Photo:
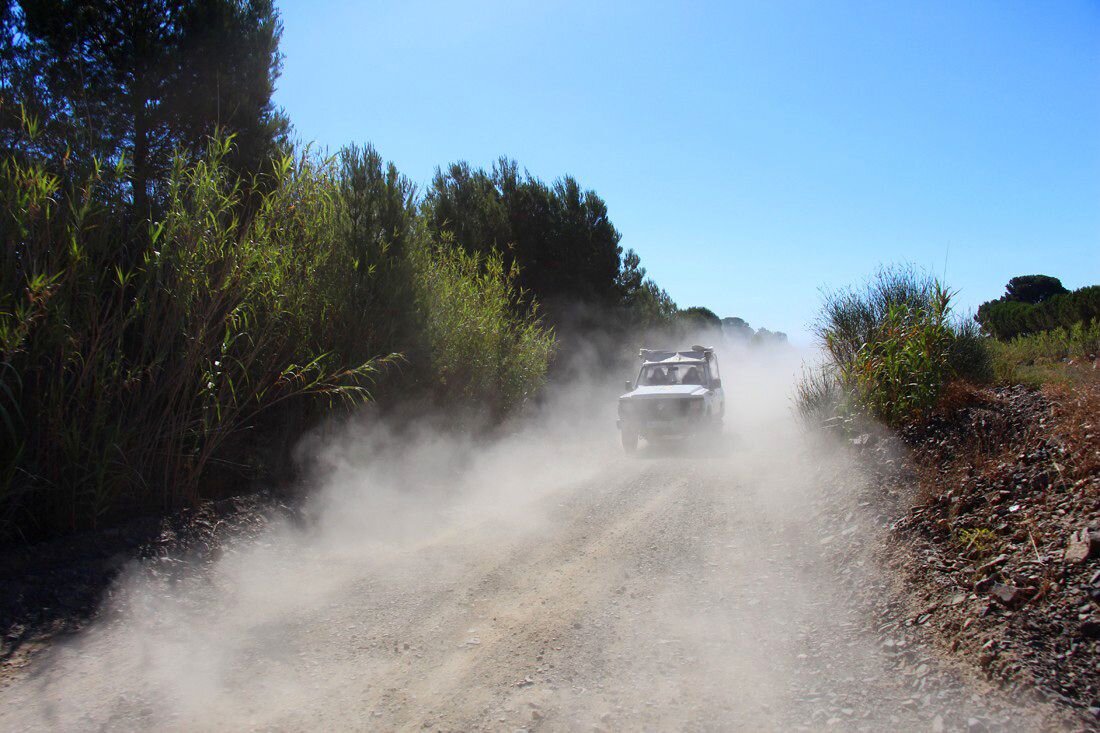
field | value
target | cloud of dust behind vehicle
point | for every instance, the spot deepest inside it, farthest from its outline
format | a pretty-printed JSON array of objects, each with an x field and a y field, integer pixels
[{"x": 228, "y": 645}]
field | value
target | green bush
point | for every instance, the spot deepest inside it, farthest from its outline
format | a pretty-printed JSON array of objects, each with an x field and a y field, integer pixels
[
  {"x": 819, "y": 395},
  {"x": 479, "y": 353},
  {"x": 890, "y": 348}
]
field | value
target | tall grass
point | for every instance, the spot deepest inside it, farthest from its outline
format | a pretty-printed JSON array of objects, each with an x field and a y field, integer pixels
[{"x": 890, "y": 346}]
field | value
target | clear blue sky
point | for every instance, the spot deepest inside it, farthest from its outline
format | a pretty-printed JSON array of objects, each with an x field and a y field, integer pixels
[{"x": 750, "y": 152}]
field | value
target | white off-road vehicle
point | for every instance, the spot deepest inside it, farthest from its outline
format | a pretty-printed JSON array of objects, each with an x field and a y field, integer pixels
[{"x": 676, "y": 394}]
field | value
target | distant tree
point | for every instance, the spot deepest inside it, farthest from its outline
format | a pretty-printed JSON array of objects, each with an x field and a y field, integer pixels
[
  {"x": 471, "y": 205},
  {"x": 1033, "y": 288},
  {"x": 140, "y": 79},
  {"x": 646, "y": 305},
  {"x": 1032, "y": 305},
  {"x": 698, "y": 317},
  {"x": 631, "y": 274},
  {"x": 737, "y": 328},
  {"x": 764, "y": 337}
]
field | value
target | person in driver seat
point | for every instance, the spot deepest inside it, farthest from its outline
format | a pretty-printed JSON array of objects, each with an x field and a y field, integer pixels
[{"x": 693, "y": 376}]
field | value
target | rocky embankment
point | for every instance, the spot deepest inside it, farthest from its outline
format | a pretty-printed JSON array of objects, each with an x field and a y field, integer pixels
[{"x": 997, "y": 558}]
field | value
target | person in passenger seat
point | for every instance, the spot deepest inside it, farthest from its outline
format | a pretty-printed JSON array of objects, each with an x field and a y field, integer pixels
[{"x": 693, "y": 376}]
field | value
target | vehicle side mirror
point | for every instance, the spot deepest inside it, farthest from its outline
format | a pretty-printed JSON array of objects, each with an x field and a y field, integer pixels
[
  {"x": 629, "y": 386},
  {"x": 716, "y": 384}
]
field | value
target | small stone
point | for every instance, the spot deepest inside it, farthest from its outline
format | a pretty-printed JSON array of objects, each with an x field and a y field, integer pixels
[
  {"x": 993, "y": 563},
  {"x": 1083, "y": 545},
  {"x": 1008, "y": 595}
]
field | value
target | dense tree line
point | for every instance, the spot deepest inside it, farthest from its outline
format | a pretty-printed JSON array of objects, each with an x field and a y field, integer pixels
[{"x": 1036, "y": 303}]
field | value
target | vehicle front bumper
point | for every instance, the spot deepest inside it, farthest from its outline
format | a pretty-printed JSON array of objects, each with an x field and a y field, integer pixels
[{"x": 669, "y": 426}]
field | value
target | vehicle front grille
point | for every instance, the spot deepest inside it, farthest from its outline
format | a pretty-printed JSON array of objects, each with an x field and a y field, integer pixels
[{"x": 663, "y": 409}]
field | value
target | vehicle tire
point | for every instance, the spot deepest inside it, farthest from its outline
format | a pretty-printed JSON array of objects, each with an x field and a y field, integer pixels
[{"x": 630, "y": 439}]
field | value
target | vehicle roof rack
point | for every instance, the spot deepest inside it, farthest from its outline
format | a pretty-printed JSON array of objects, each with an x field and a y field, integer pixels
[{"x": 694, "y": 353}]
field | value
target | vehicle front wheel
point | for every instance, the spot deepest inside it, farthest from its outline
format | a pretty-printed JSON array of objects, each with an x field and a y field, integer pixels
[{"x": 630, "y": 439}]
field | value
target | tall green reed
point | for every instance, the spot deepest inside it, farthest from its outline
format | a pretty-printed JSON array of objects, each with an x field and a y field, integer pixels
[{"x": 130, "y": 355}]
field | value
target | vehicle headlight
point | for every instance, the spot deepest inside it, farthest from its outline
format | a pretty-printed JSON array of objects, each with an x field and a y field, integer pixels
[
  {"x": 695, "y": 407},
  {"x": 624, "y": 408}
]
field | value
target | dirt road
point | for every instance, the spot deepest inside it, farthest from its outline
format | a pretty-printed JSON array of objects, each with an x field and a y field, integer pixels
[
  {"x": 542, "y": 581},
  {"x": 555, "y": 589}
]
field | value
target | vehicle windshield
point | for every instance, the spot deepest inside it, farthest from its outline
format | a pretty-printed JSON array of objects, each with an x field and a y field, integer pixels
[{"x": 656, "y": 374}]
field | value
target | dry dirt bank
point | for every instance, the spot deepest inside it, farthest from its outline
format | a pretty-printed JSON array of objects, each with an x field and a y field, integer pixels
[{"x": 998, "y": 561}]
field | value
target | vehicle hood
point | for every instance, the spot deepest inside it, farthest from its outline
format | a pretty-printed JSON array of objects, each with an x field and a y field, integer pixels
[{"x": 673, "y": 391}]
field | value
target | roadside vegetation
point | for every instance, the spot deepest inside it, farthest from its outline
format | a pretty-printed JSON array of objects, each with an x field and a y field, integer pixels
[
  {"x": 891, "y": 347},
  {"x": 136, "y": 364},
  {"x": 184, "y": 290},
  {"x": 1062, "y": 356},
  {"x": 1042, "y": 333}
]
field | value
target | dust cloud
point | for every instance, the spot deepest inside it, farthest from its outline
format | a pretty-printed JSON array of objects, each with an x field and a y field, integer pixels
[{"x": 540, "y": 579}]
